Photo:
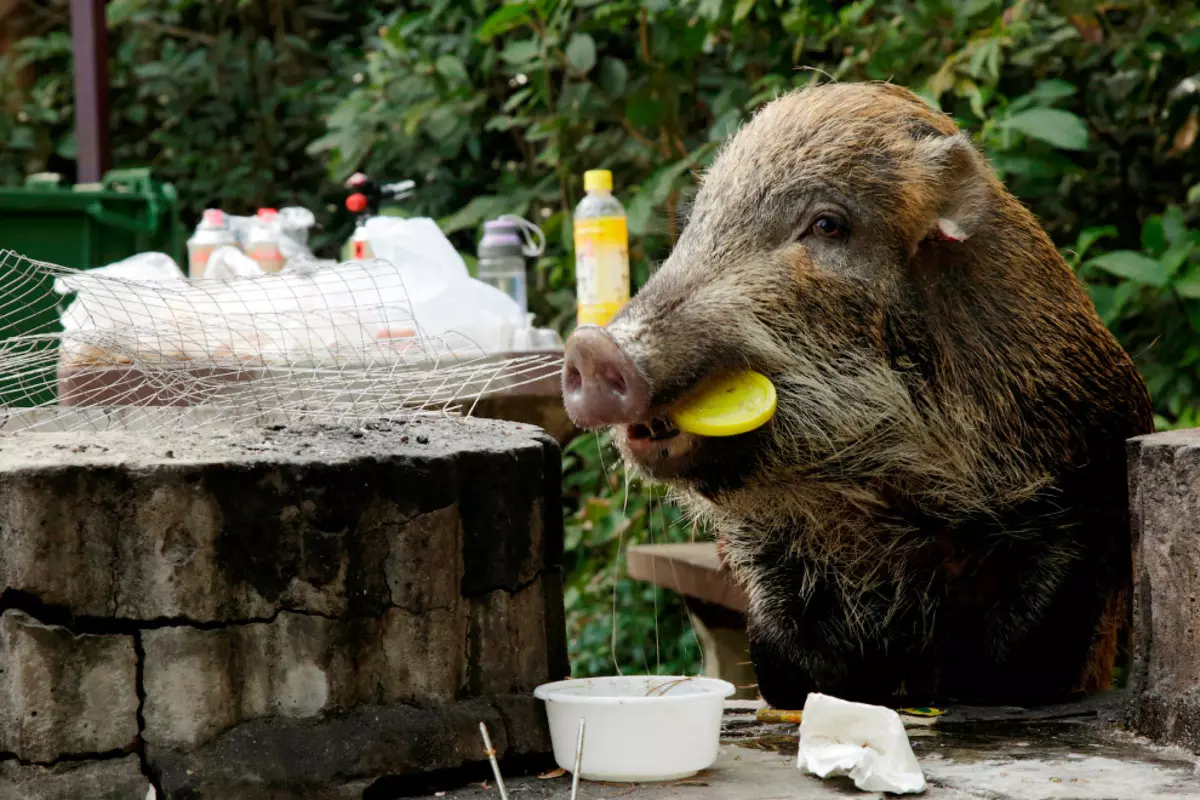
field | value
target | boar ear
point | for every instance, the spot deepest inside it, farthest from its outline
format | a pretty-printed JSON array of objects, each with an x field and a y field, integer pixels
[{"x": 961, "y": 185}]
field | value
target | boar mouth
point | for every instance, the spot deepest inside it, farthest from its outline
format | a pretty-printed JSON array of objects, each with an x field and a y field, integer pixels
[
  {"x": 658, "y": 447},
  {"x": 657, "y": 429}
]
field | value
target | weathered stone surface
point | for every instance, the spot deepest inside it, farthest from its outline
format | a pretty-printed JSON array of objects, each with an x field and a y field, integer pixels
[
  {"x": 502, "y": 517},
  {"x": 300, "y": 758},
  {"x": 200, "y": 683},
  {"x": 240, "y": 524},
  {"x": 1066, "y": 752},
  {"x": 526, "y": 724},
  {"x": 112, "y": 779},
  {"x": 62, "y": 694},
  {"x": 303, "y": 612},
  {"x": 508, "y": 641},
  {"x": 1164, "y": 476}
]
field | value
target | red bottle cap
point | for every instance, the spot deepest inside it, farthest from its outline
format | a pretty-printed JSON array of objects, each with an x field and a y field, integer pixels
[
  {"x": 267, "y": 213},
  {"x": 214, "y": 216},
  {"x": 356, "y": 202}
]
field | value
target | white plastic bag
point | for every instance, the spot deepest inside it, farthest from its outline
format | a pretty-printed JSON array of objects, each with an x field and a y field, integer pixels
[
  {"x": 228, "y": 262},
  {"x": 444, "y": 298},
  {"x": 867, "y": 743},
  {"x": 127, "y": 312},
  {"x": 426, "y": 260},
  {"x": 142, "y": 267}
]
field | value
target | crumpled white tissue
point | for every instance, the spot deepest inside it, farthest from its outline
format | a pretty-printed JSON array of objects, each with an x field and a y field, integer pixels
[{"x": 865, "y": 742}]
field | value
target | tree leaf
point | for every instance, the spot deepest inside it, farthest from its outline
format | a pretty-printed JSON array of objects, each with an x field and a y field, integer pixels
[
  {"x": 1053, "y": 126},
  {"x": 451, "y": 68},
  {"x": 479, "y": 209},
  {"x": 1132, "y": 265},
  {"x": 518, "y": 97},
  {"x": 742, "y": 10},
  {"x": 1175, "y": 257},
  {"x": 644, "y": 111},
  {"x": 1174, "y": 224},
  {"x": 1110, "y": 301},
  {"x": 612, "y": 76},
  {"x": 709, "y": 9},
  {"x": 581, "y": 53},
  {"x": 1189, "y": 285},
  {"x": 1045, "y": 93},
  {"x": 1089, "y": 236},
  {"x": 502, "y": 20},
  {"x": 521, "y": 51},
  {"x": 22, "y": 138},
  {"x": 655, "y": 189},
  {"x": 1154, "y": 236},
  {"x": 725, "y": 125}
]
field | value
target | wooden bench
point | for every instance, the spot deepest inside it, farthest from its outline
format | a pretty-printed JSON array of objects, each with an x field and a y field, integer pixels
[{"x": 715, "y": 603}]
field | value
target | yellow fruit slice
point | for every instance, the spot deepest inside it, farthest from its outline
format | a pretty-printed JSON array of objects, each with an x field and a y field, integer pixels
[{"x": 734, "y": 404}]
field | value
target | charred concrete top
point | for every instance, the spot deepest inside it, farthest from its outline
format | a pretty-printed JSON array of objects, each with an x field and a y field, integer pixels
[{"x": 422, "y": 437}]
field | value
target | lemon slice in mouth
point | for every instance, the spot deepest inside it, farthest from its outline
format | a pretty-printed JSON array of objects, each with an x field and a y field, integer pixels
[{"x": 727, "y": 406}]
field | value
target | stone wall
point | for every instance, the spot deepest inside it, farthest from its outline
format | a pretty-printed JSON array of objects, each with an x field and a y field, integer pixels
[
  {"x": 282, "y": 612},
  {"x": 1164, "y": 484}
]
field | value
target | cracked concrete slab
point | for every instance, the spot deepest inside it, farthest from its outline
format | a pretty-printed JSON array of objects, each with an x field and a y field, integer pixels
[
  {"x": 981, "y": 756},
  {"x": 115, "y": 779},
  {"x": 64, "y": 695}
]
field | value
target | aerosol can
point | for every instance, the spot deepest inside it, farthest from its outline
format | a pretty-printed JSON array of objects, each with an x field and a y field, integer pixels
[
  {"x": 212, "y": 232},
  {"x": 360, "y": 244},
  {"x": 365, "y": 201}
]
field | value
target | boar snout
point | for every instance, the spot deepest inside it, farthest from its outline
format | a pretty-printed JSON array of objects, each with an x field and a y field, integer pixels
[{"x": 601, "y": 384}]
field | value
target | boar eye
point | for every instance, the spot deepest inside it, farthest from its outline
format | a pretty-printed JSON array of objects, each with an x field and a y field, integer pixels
[{"x": 829, "y": 227}]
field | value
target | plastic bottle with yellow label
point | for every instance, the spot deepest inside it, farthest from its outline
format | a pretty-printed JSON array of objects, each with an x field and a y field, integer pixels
[{"x": 601, "y": 251}]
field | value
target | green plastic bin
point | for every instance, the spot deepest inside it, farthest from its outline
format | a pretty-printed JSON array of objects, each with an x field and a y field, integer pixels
[{"x": 81, "y": 227}]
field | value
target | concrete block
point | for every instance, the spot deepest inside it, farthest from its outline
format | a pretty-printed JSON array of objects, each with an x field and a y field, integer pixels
[
  {"x": 110, "y": 779},
  {"x": 239, "y": 525},
  {"x": 302, "y": 611},
  {"x": 201, "y": 683},
  {"x": 1164, "y": 479},
  {"x": 279, "y": 757},
  {"x": 509, "y": 651},
  {"x": 63, "y": 694}
]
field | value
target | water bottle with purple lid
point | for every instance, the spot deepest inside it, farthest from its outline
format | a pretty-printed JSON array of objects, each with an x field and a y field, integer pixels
[{"x": 502, "y": 259}]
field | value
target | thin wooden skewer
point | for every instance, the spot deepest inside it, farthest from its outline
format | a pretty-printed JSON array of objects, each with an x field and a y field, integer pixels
[
  {"x": 491, "y": 754},
  {"x": 578, "y": 759}
]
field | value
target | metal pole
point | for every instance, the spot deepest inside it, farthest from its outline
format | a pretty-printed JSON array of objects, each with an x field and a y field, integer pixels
[{"x": 89, "y": 39}]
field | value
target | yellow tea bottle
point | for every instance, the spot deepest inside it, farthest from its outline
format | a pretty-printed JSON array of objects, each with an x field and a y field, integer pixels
[{"x": 601, "y": 251}]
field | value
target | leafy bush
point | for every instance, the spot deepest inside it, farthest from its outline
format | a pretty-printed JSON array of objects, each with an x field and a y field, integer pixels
[{"x": 1089, "y": 112}]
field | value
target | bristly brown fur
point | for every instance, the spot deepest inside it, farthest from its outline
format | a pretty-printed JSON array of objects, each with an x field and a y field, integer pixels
[{"x": 938, "y": 508}]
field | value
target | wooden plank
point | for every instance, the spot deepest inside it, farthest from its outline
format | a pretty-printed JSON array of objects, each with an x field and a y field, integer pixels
[
  {"x": 692, "y": 569},
  {"x": 89, "y": 39}
]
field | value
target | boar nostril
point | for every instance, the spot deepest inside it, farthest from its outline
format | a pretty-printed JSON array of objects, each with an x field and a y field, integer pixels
[
  {"x": 613, "y": 380},
  {"x": 572, "y": 378}
]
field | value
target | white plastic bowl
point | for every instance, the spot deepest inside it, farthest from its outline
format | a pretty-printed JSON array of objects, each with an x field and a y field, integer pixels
[{"x": 639, "y": 727}]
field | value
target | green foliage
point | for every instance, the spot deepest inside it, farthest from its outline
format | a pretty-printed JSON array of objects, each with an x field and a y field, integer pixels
[
  {"x": 649, "y": 632},
  {"x": 1089, "y": 112}
]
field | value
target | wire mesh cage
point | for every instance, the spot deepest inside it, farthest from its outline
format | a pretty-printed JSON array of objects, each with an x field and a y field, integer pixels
[{"x": 331, "y": 344}]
